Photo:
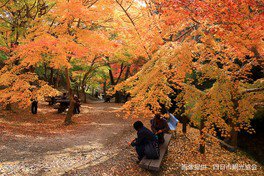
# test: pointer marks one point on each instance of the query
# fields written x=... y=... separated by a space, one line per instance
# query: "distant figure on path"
x=96 y=94
x=159 y=126
x=107 y=98
x=64 y=104
x=77 y=105
x=34 y=106
x=146 y=143
x=64 y=96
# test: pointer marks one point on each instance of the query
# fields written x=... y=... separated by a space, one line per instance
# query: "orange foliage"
x=206 y=37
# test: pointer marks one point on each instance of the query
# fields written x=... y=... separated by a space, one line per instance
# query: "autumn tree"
x=16 y=17
x=220 y=40
x=232 y=32
x=61 y=37
x=137 y=37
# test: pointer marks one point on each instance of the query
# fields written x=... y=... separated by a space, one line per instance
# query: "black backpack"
x=151 y=150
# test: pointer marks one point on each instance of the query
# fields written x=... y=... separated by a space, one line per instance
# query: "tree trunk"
x=184 y=128
x=84 y=94
x=45 y=71
x=104 y=88
x=127 y=72
x=184 y=124
x=92 y=92
x=51 y=76
x=118 y=97
x=83 y=82
x=234 y=135
x=202 y=135
x=77 y=90
x=232 y=123
x=83 y=85
x=68 y=119
x=32 y=69
x=8 y=107
x=57 y=80
x=112 y=81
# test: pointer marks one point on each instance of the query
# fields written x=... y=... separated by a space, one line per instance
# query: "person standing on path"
x=77 y=105
x=34 y=106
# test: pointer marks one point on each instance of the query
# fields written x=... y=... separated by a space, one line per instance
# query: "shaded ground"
x=97 y=145
x=42 y=145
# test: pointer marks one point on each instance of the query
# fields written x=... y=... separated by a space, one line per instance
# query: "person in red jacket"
x=159 y=126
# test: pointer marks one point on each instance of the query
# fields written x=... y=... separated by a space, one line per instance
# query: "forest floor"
x=96 y=144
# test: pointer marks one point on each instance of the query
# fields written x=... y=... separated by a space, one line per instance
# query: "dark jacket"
x=146 y=144
x=35 y=103
x=144 y=136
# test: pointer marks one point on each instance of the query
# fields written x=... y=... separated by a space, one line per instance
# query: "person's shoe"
x=139 y=160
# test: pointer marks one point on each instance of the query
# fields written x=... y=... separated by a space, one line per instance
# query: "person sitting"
x=146 y=143
x=64 y=104
x=159 y=126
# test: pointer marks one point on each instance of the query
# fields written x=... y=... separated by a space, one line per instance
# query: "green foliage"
x=196 y=78
x=3 y=56
x=113 y=36
x=260 y=114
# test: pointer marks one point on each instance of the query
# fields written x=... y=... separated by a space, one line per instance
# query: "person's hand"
x=160 y=131
x=129 y=143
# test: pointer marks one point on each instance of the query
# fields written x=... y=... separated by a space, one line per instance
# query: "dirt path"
x=97 y=136
x=96 y=145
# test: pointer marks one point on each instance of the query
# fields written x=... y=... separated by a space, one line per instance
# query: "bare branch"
x=133 y=23
x=5 y=4
x=129 y=6
x=253 y=90
x=94 y=2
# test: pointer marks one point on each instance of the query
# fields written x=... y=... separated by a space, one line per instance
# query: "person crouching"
x=146 y=143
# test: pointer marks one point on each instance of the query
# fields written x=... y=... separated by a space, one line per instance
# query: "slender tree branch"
x=94 y=2
x=253 y=90
x=121 y=71
x=133 y=23
x=5 y=4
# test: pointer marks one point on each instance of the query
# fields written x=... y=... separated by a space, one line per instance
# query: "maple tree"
x=17 y=16
x=137 y=36
x=61 y=37
x=55 y=35
x=221 y=41
x=199 y=54
x=17 y=84
x=228 y=31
